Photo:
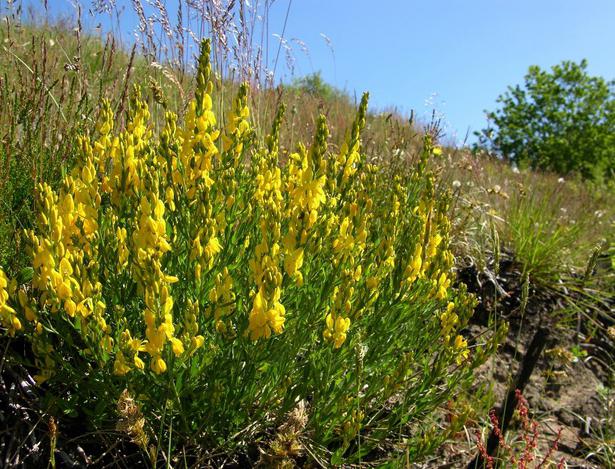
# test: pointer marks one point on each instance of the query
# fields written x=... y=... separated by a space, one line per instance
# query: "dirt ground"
x=563 y=390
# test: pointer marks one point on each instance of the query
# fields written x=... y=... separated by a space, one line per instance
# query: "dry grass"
x=489 y=191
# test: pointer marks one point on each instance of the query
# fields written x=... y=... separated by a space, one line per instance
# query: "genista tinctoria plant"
x=191 y=273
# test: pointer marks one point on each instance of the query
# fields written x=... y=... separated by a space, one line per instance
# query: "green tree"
x=562 y=120
x=315 y=85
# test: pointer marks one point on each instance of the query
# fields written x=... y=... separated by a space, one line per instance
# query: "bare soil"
x=563 y=391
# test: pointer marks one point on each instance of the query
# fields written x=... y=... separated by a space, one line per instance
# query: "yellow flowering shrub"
x=222 y=285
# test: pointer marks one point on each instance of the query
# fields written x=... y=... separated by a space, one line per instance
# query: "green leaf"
x=25 y=275
x=337 y=458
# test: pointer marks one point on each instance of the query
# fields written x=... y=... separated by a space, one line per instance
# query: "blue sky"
x=466 y=52
x=456 y=56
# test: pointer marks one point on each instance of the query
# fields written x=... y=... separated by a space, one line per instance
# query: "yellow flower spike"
x=339 y=337
x=341 y=324
x=414 y=269
x=213 y=294
x=448 y=321
x=102 y=324
x=257 y=315
x=433 y=244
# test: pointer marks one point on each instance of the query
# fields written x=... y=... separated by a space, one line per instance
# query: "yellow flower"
x=177 y=345
x=158 y=365
x=372 y=283
x=442 y=286
x=8 y=316
x=120 y=367
x=293 y=261
x=70 y=307
x=345 y=241
x=414 y=269
x=24 y=303
x=197 y=342
x=432 y=245
x=336 y=329
x=139 y=364
x=461 y=346
x=264 y=320
x=15 y=323
x=170 y=198
x=212 y=247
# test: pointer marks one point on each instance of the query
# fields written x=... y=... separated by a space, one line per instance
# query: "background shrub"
x=562 y=121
